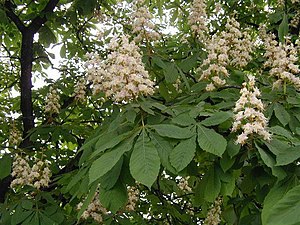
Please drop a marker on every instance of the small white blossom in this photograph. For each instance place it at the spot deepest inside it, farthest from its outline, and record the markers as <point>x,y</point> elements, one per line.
<point>249,117</point>
<point>36,176</point>
<point>122,76</point>
<point>281,59</point>
<point>214,214</point>
<point>94,210</point>
<point>133,197</point>
<point>52,102</point>
<point>231,47</point>
<point>15,136</point>
<point>79,91</point>
<point>184,185</point>
<point>198,19</point>
<point>142,24</point>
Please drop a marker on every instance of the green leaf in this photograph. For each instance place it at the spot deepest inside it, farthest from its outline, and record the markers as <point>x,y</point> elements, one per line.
<point>183,119</point>
<point>115,198</point>
<point>5,166</point>
<point>213,184</point>
<point>157,60</point>
<point>275,194</point>
<point>164,149</point>
<point>281,114</point>
<point>183,153</point>
<point>29,219</point>
<point>288,156</point>
<point>46,36</point>
<point>184,78</point>
<point>286,211</point>
<point>171,73</point>
<point>277,146</point>
<point>172,131</point>
<point>232,148</point>
<point>34,219</point>
<point>4,19</point>
<point>189,63</point>
<point>217,118</point>
<point>163,90</point>
<point>20,215</point>
<point>108,180</point>
<point>45,220</point>
<point>76,178</point>
<point>146,106</point>
<point>26,204</point>
<point>88,199</point>
<point>144,162</point>
<point>108,160</point>
<point>270,162</point>
<point>108,141</point>
<point>210,141</point>
<point>226,162</point>
<point>63,51</point>
<point>278,130</point>
<point>227,183</point>
<point>283,28</point>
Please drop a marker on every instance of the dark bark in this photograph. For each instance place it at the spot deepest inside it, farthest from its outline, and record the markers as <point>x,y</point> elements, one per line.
<point>25,81</point>
<point>5,183</point>
<point>26,60</point>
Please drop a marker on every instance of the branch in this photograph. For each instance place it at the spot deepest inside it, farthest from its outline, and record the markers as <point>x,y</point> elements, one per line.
<point>38,21</point>
<point>8,52</point>
<point>11,15</point>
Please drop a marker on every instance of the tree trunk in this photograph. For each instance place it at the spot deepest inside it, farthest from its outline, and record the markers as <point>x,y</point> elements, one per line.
<point>25,81</point>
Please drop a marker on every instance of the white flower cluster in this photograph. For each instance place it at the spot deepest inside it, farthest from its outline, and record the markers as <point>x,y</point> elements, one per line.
<point>133,197</point>
<point>52,102</point>
<point>198,19</point>
<point>184,185</point>
<point>36,176</point>
<point>281,58</point>
<point>229,48</point>
<point>214,214</point>
<point>249,117</point>
<point>94,209</point>
<point>79,91</point>
<point>142,25</point>
<point>122,76</point>
<point>15,136</point>
<point>296,19</point>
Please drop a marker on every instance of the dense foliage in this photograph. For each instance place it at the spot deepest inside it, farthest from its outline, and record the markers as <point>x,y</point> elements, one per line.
<point>164,112</point>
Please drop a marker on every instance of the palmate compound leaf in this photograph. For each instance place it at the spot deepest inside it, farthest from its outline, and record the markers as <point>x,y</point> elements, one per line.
<point>144,162</point>
<point>183,153</point>
<point>286,211</point>
<point>108,160</point>
<point>210,141</point>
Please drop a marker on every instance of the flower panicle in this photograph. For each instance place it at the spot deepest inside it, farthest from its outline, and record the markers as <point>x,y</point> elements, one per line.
<point>249,115</point>
<point>122,76</point>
